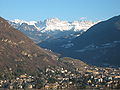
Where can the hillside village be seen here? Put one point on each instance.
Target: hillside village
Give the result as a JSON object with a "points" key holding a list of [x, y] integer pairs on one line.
{"points": [[62, 78]]}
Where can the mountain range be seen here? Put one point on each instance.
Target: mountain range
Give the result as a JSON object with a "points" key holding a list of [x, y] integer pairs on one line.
{"points": [[52, 28]]}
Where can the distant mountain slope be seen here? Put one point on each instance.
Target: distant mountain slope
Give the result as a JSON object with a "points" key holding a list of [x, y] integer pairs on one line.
{"points": [[19, 53], [99, 45]]}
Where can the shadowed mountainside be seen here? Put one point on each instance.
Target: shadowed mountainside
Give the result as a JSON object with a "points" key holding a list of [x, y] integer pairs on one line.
{"points": [[99, 45]]}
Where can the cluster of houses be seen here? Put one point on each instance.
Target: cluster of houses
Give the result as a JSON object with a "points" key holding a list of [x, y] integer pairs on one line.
{"points": [[61, 78]]}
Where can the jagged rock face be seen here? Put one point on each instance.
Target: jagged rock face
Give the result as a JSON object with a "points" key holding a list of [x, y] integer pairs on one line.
{"points": [[19, 52]]}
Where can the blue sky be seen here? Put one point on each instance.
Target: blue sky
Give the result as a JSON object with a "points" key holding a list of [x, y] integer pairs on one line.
{"points": [[63, 9]]}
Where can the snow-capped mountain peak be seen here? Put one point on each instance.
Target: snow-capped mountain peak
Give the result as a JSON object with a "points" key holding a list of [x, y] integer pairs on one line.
{"points": [[56, 24], [18, 21], [82, 25], [52, 20], [31, 23]]}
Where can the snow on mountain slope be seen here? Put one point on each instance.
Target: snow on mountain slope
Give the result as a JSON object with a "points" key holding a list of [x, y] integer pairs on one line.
{"points": [[18, 21], [56, 24], [82, 25]]}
